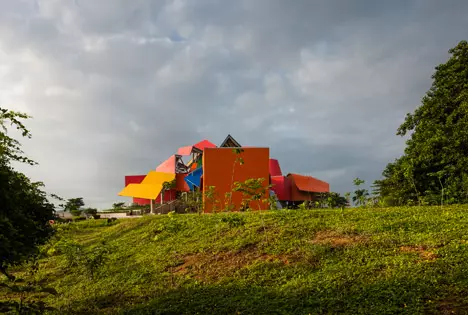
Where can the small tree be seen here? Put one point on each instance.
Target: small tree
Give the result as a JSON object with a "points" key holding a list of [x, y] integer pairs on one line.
{"points": [[193, 201], [118, 205], [90, 211], [433, 168], [252, 190], [25, 210], [360, 195], [211, 195], [167, 186], [238, 161], [335, 200], [74, 204]]}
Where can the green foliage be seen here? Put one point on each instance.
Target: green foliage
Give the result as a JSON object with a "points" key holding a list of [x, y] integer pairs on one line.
{"points": [[434, 168], [212, 196], [374, 261], [167, 186], [118, 205], [86, 260], [24, 208], [252, 190], [74, 204], [228, 206], [304, 205], [360, 195], [90, 211], [272, 201], [76, 212], [10, 148], [234, 220], [70, 250], [93, 259], [335, 200], [193, 201], [24, 291]]}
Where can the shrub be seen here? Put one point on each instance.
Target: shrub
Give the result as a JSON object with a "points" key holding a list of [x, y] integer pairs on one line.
{"points": [[118, 205], [92, 260], [76, 213], [234, 220], [90, 211]]}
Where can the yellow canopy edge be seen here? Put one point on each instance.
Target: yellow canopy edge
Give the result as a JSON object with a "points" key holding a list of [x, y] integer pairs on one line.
{"points": [[141, 191], [149, 188], [156, 178]]}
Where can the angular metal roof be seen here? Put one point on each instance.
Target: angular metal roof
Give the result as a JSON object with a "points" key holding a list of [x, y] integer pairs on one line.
{"points": [[309, 183], [230, 142]]}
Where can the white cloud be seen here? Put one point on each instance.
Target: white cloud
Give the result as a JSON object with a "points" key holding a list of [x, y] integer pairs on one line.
{"points": [[117, 86]]}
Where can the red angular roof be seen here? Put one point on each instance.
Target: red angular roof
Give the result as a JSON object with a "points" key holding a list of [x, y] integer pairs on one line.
{"points": [[204, 144], [309, 183], [200, 146], [185, 150], [168, 166]]}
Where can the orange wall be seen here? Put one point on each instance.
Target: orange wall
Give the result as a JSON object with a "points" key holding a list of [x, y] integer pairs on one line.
{"points": [[217, 171]]}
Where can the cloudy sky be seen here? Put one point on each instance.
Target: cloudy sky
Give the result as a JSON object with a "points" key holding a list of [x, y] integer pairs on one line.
{"points": [[116, 86]]}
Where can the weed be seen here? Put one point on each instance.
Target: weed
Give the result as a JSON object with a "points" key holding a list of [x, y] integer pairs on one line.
{"points": [[234, 220], [373, 261]]}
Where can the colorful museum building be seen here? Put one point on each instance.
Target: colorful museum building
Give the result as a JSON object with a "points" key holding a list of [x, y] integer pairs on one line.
{"points": [[214, 168]]}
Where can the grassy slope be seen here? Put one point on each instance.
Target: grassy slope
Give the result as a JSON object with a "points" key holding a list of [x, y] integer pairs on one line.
{"points": [[372, 261]]}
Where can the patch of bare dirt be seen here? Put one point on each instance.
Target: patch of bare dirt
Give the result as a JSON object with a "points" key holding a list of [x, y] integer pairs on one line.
{"points": [[336, 239], [451, 306], [424, 252], [212, 266]]}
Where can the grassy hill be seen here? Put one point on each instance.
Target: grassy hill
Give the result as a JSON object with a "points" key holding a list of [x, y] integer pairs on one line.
{"points": [[356, 261]]}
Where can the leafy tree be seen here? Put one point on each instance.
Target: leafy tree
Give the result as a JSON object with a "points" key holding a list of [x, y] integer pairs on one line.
{"points": [[347, 196], [76, 213], [118, 205], [252, 190], [90, 211], [335, 200], [360, 195], [24, 208], [167, 186], [434, 167], [74, 204]]}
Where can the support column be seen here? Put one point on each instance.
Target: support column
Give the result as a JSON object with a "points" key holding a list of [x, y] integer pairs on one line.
{"points": [[151, 206]]}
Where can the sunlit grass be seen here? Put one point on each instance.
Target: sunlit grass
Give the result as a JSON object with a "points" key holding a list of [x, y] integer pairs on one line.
{"points": [[369, 261]]}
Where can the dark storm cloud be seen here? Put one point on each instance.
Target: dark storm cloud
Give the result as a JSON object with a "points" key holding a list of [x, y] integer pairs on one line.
{"points": [[115, 87]]}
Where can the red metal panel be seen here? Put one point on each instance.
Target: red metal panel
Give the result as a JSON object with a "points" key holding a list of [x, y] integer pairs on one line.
{"points": [[309, 183], [136, 179], [168, 166], [181, 184], [185, 150], [306, 187], [204, 144], [281, 187], [219, 165], [169, 195], [275, 169]]}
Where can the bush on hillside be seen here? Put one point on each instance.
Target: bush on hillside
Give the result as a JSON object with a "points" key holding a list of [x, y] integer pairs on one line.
{"points": [[90, 211], [76, 213]]}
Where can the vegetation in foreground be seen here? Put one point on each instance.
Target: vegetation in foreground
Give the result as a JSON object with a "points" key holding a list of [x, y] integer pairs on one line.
{"points": [[368, 261]]}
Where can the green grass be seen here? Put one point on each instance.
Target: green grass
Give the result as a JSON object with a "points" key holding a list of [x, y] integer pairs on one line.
{"points": [[356, 261]]}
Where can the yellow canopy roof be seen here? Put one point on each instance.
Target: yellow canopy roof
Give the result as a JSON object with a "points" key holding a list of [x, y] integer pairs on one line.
{"points": [[155, 178], [149, 188]]}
